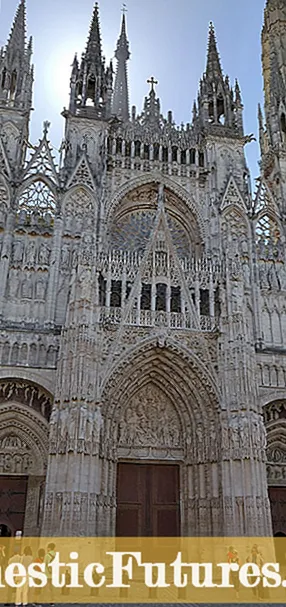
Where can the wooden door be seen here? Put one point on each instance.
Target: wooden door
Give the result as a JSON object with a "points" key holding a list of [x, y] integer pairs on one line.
{"points": [[277, 496], [13, 492], [148, 500]]}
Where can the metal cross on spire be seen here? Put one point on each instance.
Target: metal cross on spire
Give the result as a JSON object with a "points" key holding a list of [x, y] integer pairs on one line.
{"points": [[153, 82], [124, 9]]}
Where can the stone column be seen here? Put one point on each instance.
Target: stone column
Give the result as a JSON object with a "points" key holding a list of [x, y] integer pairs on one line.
{"points": [[245, 496], [73, 482], [5, 259], [34, 506], [54, 272]]}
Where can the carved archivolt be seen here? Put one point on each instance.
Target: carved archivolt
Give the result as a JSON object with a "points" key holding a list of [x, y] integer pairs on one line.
{"points": [[275, 423], [149, 183], [23, 441], [162, 377], [33, 397]]}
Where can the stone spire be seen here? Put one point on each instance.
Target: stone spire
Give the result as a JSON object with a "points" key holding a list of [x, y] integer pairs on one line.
{"points": [[213, 69], [15, 65], [274, 70], [216, 104], [93, 48], [91, 81], [17, 36], [120, 106]]}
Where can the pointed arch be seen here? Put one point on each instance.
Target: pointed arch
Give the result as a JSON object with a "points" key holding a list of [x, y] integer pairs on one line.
{"points": [[11, 138], [37, 196], [234, 225], [276, 327], [79, 201], [267, 228], [130, 225], [115, 203], [178, 376], [4, 200], [267, 326]]}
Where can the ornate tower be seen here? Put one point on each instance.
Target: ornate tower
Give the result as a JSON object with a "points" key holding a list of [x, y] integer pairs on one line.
{"points": [[120, 105], [218, 105], [220, 119], [90, 103], [16, 88], [273, 138]]}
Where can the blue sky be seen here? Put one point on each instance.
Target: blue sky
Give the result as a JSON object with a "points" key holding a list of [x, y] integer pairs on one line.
{"points": [[168, 39]]}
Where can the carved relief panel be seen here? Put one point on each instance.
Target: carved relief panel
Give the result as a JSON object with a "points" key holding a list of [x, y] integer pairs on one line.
{"points": [[150, 425]]}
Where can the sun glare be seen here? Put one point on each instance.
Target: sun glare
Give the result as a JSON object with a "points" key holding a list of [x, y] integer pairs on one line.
{"points": [[58, 76]]}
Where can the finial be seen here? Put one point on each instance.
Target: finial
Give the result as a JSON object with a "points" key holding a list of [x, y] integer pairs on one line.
{"points": [[213, 68], [46, 127], [153, 82], [124, 9]]}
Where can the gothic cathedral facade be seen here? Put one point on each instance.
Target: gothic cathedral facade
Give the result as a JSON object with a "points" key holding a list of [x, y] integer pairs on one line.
{"points": [[142, 304]]}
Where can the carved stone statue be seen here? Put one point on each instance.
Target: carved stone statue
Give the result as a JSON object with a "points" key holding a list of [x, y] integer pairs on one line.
{"points": [[18, 249], [30, 256], [44, 254]]}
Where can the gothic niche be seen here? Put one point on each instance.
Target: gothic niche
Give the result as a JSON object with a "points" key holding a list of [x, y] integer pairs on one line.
{"points": [[275, 422], [15, 455], [150, 421]]}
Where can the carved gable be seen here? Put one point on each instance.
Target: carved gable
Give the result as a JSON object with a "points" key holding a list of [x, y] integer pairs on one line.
{"points": [[81, 175], [232, 196]]}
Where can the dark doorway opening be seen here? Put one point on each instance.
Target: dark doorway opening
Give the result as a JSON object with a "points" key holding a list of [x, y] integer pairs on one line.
{"points": [[13, 493], [148, 500], [5, 531]]}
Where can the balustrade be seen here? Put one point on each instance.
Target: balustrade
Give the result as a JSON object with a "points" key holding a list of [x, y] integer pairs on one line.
{"points": [[154, 318]]}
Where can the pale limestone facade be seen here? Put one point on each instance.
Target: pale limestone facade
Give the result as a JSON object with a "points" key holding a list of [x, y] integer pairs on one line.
{"points": [[143, 295]]}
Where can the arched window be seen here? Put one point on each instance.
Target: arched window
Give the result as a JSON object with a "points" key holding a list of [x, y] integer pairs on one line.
{"points": [[37, 198], [118, 146], [3, 78], [109, 145], [156, 151], [146, 151], [165, 155], [128, 148], [193, 156], [115, 296], [90, 91], [283, 125], [137, 148], [174, 154], [13, 85], [267, 230], [201, 159], [220, 109], [211, 110]]}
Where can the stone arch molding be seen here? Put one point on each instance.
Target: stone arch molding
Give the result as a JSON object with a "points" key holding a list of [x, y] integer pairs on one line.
{"points": [[274, 413], [153, 383], [114, 202], [23, 441]]}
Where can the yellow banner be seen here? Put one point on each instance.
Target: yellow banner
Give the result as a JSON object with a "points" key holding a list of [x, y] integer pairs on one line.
{"points": [[142, 570]]}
